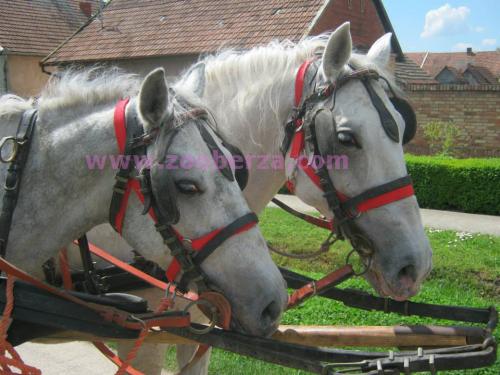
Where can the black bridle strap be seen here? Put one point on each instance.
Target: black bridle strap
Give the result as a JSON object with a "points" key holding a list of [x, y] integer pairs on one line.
{"points": [[240, 225], [21, 144]]}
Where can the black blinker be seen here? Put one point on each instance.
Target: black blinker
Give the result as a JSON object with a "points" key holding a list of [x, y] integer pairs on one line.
{"points": [[388, 123]]}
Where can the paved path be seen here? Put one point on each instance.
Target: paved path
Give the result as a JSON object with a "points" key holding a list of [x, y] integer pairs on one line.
{"points": [[73, 358], [457, 221]]}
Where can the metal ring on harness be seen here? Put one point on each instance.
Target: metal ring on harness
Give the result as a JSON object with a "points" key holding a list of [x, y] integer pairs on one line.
{"points": [[366, 266], [213, 318], [15, 148]]}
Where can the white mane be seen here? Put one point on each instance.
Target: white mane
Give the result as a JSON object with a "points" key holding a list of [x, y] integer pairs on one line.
{"points": [[87, 88], [11, 105], [254, 82]]}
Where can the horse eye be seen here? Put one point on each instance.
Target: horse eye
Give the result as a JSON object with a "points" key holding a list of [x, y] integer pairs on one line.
{"points": [[187, 187], [347, 139]]}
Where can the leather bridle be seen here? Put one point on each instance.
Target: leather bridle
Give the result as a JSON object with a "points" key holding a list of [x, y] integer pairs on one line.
{"points": [[300, 136], [188, 254]]}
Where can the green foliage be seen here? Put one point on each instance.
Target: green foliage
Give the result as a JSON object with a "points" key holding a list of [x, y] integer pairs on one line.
{"points": [[441, 136], [468, 185], [465, 273]]}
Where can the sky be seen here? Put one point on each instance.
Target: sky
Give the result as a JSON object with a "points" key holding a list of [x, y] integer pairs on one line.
{"points": [[440, 25]]}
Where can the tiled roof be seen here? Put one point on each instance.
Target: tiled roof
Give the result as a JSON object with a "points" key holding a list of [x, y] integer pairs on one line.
{"points": [[131, 28], [434, 62], [408, 72], [38, 26], [481, 74]]}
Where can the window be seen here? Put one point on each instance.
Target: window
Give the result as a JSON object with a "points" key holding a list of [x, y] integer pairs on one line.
{"points": [[362, 5], [349, 4]]}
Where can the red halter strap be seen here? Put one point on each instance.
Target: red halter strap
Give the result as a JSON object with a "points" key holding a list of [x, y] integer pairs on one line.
{"points": [[373, 198], [297, 145], [206, 243]]}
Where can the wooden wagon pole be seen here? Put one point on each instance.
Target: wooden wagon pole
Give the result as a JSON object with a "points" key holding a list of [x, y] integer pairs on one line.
{"points": [[333, 336]]}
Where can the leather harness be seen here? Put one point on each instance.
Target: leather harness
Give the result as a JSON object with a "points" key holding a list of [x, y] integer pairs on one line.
{"points": [[300, 134], [132, 141]]}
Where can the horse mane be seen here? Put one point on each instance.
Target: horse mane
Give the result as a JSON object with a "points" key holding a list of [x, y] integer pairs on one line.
{"points": [[237, 77], [13, 105], [87, 88], [84, 90]]}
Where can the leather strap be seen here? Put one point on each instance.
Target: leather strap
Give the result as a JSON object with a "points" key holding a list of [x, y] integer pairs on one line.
{"points": [[315, 287], [21, 142]]}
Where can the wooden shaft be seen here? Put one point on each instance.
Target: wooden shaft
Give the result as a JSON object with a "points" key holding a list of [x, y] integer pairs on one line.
{"points": [[333, 336]]}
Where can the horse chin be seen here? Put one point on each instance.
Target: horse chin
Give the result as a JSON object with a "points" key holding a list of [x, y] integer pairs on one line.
{"points": [[384, 289]]}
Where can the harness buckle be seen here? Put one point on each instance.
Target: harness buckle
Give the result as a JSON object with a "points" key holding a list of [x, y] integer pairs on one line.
{"points": [[15, 147]]}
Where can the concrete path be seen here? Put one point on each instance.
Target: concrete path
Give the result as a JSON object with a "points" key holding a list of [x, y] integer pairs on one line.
{"points": [[457, 221], [73, 358]]}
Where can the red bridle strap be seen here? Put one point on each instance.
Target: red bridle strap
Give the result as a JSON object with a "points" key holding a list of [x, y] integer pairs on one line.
{"points": [[369, 200], [206, 243], [297, 144]]}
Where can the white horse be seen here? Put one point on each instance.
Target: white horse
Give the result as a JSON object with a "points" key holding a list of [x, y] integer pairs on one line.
{"points": [[61, 198], [251, 94]]}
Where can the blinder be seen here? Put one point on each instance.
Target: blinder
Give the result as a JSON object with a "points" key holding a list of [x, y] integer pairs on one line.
{"points": [[240, 174], [410, 118], [240, 163]]}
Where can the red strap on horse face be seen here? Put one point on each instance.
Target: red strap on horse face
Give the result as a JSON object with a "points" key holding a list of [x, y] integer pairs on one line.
{"points": [[372, 201], [205, 243], [386, 198], [210, 241]]}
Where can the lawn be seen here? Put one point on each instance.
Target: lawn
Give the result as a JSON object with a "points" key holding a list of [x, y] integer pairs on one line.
{"points": [[466, 272]]}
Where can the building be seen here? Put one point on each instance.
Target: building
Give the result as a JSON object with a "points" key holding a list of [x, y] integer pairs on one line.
{"points": [[463, 88], [467, 67], [139, 36], [29, 30]]}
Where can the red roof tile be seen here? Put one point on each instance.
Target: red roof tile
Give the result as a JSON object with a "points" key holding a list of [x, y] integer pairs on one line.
{"points": [[129, 28], [434, 62], [38, 26]]}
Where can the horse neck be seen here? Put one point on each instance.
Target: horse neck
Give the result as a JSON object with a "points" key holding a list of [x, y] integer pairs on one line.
{"points": [[253, 120], [61, 197]]}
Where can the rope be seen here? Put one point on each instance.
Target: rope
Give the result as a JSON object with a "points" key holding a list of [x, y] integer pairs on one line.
{"points": [[5, 347], [165, 304], [133, 352]]}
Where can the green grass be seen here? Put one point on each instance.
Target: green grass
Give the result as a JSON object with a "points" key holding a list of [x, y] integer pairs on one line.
{"points": [[466, 272]]}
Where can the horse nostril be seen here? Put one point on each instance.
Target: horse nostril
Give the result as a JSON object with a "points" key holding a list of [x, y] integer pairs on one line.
{"points": [[271, 313], [407, 272]]}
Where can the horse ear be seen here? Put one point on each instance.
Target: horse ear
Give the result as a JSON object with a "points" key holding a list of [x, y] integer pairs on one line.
{"points": [[337, 52], [154, 104], [380, 51], [194, 79]]}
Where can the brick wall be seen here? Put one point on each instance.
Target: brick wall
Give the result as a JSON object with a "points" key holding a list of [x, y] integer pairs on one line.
{"points": [[475, 109], [366, 26]]}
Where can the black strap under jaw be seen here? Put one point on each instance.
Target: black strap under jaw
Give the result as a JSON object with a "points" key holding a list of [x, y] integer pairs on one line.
{"points": [[21, 144]]}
